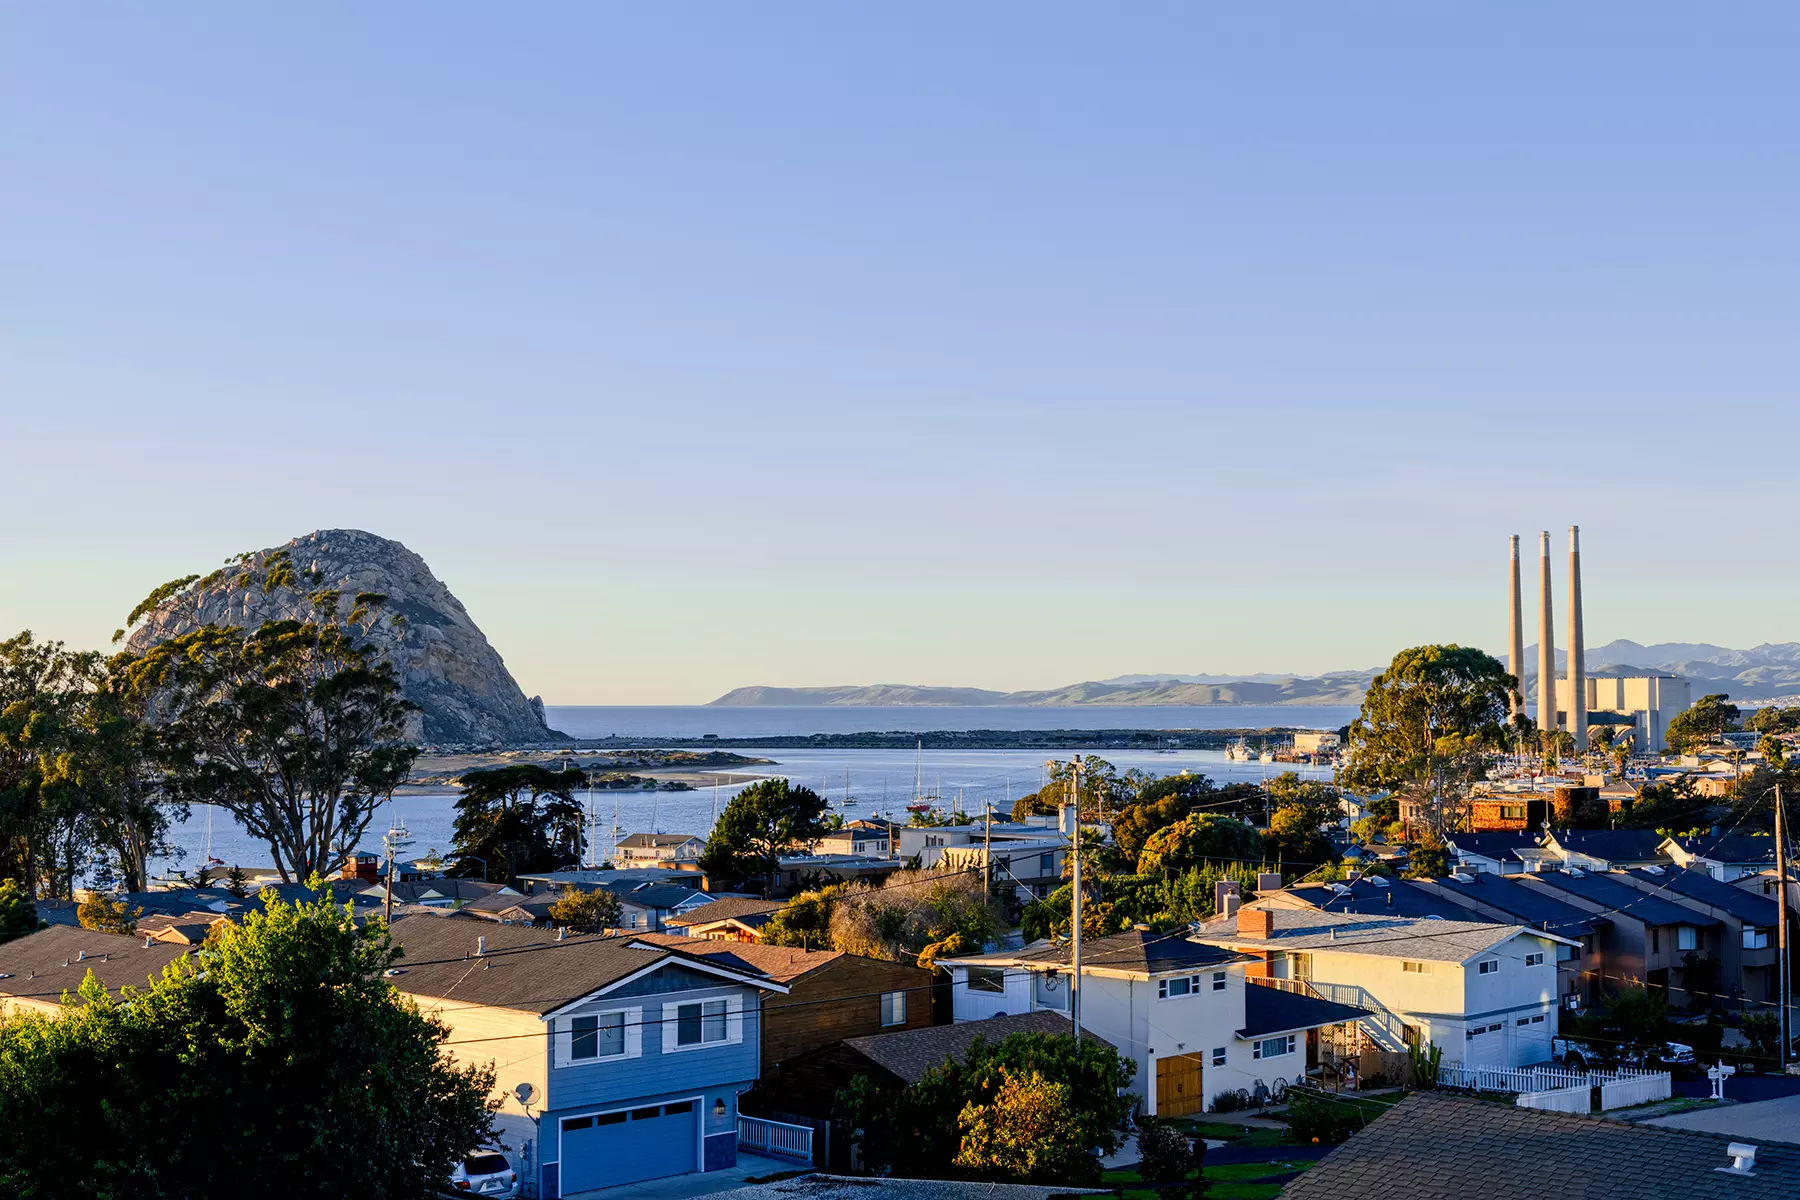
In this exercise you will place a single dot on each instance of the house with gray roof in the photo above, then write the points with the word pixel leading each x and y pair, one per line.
pixel 1607 849
pixel 1484 992
pixel 1371 895
pixel 1580 964
pixel 622 1059
pixel 1650 933
pixel 1726 857
pixel 1433 1146
pixel 728 918
pixel 1746 945
pixel 1180 1009
pixel 39 970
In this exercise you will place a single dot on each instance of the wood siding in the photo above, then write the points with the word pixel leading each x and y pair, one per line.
pixel 841 1000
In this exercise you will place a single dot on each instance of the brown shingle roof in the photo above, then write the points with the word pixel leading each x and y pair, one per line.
pixel 783 964
pixel 1433 1147
pixel 912 1052
pixel 45 964
pixel 524 968
pixel 730 908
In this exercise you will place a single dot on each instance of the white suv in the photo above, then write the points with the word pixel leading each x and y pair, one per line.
pixel 485 1173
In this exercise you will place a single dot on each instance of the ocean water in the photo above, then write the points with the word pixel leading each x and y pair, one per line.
pixel 596 721
pixel 857 782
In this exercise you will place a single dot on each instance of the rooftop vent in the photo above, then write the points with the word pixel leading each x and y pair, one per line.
pixel 1743 1159
pixel 1339 888
pixel 1653 869
pixel 1378 881
pixel 1577 873
pixel 1462 877
pixel 480 946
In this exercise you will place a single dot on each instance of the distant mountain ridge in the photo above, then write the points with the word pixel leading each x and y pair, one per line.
pixel 1770 671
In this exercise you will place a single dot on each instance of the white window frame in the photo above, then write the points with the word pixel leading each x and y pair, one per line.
pixel 1687 937
pixel 1193 987
pixel 1258 1052
pixel 1535 959
pixel 671 1024
pixel 893 1004
pixel 997 972
pixel 1218 981
pixel 1218 1056
pixel 1488 966
pixel 1755 939
pixel 562 1032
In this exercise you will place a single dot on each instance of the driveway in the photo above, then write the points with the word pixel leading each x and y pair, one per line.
pixel 1775 1120
pixel 699 1183
pixel 1746 1089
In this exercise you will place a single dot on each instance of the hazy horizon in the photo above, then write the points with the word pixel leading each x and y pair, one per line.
pixel 1004 347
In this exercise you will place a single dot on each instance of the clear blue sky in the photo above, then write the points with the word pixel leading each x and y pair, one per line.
pixel 1002 344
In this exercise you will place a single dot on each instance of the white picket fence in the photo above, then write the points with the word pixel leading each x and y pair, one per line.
pixel 775 1137
pixel 1578 1099
pixel 1623 1093
pixel 1524 1080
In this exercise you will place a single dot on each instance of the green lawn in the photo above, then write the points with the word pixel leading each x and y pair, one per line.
pixel 1239 1181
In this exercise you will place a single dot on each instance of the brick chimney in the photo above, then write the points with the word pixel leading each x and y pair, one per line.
pixel 1256 923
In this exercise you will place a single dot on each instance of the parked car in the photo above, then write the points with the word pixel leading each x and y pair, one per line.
pixel 485 1173
pixel 1673 1057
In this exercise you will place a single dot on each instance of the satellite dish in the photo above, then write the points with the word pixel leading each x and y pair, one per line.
pixel 526 1093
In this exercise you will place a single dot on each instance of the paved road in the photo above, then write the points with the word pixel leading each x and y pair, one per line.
pixel 1775 1120
pixel 1746 1089
pixel 1224 1156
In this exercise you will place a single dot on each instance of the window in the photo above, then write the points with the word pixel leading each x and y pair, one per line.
pixel 1046 864
pixel 1535 960
pixel 893 1008
pixel 574 1123
pixel 698 1024
pixel 1756 939
pixel 1273 1047
pixel 1218 981
pixel 675 1110
pixel 1185 985
pixel 1656 941
pixel 987 979
pixel 1512 812
pixel 1218 1056
pixel 1415 968
pixel 1687 937
pixel 1523 1021
pixel 1488 966
pixel 1300 966
pixel 599 1035
pixel 1538 1020
pixel 583 1037
pixel 612 1118
pixel 485 1164
pixel 646 1114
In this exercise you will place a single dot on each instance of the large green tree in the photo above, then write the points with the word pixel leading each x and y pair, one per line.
pixel 285 1058
pixel 1200 838
pixel 1428 727
pixel 518 818
pixel 295 728
pixel 766 820
pixel 916 915
pixel 1702 724
pixel 961 1122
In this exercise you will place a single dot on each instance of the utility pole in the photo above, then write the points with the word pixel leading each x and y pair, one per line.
pixel 1075 979
pixel 987 850
pixel 396 838
pixel 1784 983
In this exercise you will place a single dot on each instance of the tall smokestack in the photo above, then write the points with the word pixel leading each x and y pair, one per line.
pixel 1515 644
pixel 1577 646
pixel 1546 676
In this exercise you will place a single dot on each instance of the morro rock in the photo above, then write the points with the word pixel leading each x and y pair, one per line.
pixel 464 692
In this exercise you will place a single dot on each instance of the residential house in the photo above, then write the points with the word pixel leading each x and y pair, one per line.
pixel 1434 1145
pixel 1500 853
pixel 1726 857
pixel 1580 962
pixel 634 1053
pixel 648 906
pixel 441 893
pixel 189 930
pixel 1648 936
pixel 39 969
pixel 870 838
pixel 726 919
pixel 1746 948
pixel 1607 849
pixel 830 995
pixel 658 849
pixel 1181 1010
pixel 798 872
pixel 1370 895
pixel 1483 992
pixel 510 909
pixel 555 881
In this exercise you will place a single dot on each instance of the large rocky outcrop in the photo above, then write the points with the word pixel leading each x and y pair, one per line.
pixel 464 692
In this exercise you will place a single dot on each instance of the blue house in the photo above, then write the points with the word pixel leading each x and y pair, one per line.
pixel 617 1060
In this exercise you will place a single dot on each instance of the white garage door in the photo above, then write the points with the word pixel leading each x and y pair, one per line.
pixel 1487 1045
pixel 1531 1040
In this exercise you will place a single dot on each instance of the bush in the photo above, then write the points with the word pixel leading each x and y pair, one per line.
pixel 1318 1119
pixel 1230 1102
pixel 1167 1155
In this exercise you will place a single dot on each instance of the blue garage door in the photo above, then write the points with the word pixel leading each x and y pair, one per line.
pixel 624 1147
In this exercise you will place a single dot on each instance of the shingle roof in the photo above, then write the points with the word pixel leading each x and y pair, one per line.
pixel 1395 937
pixel 1493 845
pixel 45 964
pixel 642 840
pixel 652 895
pixel 1610 845
pixel 1730 848
pixel 1529 905
pixel 912 1052
pixel 783 964
pixel 1436 1147
pixel 753 913
pixel 1621 899
pixel 1746 906
pixel 1390 897
pixel 1139 950
pixel 1269 1010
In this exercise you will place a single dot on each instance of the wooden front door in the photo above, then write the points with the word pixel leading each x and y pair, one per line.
pixel 1178 1092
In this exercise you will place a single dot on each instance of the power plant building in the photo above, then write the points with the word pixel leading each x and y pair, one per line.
pixel 1651 701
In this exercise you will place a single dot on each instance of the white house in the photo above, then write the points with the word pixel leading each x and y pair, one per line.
pixel 1485 993
pixel 1180 1010
pixel 658 849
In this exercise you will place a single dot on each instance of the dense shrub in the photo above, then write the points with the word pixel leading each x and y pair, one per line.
pixel 1229 1102
pixel 1321 1119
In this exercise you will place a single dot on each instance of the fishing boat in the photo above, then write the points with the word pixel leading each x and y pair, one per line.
pixel 1240 751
